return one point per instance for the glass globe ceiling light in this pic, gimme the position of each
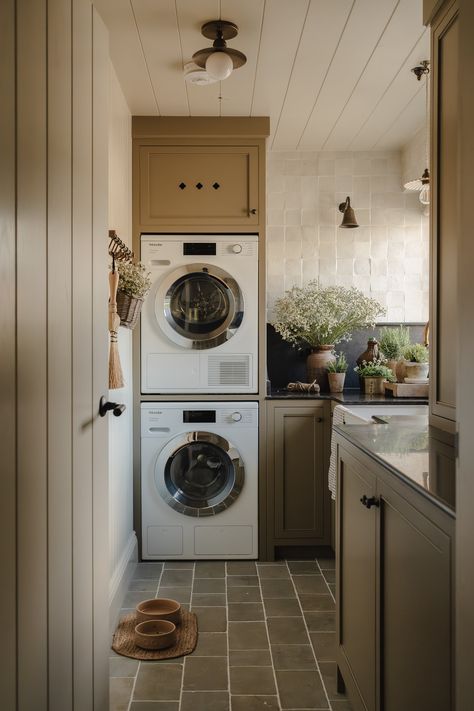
(219, 60)
(422, 185)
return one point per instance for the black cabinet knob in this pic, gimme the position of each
(369, 501)
(105, 405)
(253, 211)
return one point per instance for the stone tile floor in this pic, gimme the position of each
(266, 639)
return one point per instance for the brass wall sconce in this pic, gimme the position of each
(349, 218)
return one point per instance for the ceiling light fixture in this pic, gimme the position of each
(422, 185)
(219, 61)
(349, 219)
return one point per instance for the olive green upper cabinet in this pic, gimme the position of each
(444, 215)
(196, 185)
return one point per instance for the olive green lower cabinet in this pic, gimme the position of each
(394, 558)
(298, 498)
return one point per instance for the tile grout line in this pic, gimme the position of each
(309, 637)
(180, 700)
(227, 631)
(324, 578)
(268, 638)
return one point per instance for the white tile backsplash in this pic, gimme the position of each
(386, 256)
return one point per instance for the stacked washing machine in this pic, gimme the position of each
(199, 336)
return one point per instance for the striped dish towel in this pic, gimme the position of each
(341, 416)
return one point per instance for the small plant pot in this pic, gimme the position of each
(336, 382)
(374, 385)
(155, 634)
(416, 370)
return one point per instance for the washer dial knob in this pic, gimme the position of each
(237, 248)
(236, 417)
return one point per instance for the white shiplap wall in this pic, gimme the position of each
(122, 539)
(386, 257)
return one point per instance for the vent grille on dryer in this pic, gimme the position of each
(229, 370)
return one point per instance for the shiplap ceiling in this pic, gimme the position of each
(331, 74)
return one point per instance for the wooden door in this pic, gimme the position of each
(416, 640)
(444, 218)
(198, 185)
(301, 495)
(54, 604)
(356, 603)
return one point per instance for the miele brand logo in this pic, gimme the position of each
(155, 412)
(156, 244)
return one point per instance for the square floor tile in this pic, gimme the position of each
(330, 576)
(250, 658)
(147, 585)
(210, 569)
(268, 572)
(148, 570)
(240, 581)
(241, 567)
(277, 588)
(211, 619)
(122, 667)
(120, 692)
(158, 682)
(293, 656)
(324, 644)
(205, 674)
(282, 607)
(242, 611)
(248, 635)
(179, 565)
(208, 600)
(176, 578)
(319, 621)
(327, 563)
(252, 680)
(287, 630)
(132, 599)
(205, 701)
(317, 602)
(310, 584)
(243, 595)
(303, 567)
(211, 644)
(255, 703)
(301, 690)
(180, 594)
(209, 585)
(154, 706)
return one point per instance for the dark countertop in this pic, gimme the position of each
(348, 397)
(404, 447)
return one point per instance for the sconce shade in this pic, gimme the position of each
(349, 218)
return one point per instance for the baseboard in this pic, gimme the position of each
(120, 580)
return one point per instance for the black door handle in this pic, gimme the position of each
(105, 405)
(369, 501)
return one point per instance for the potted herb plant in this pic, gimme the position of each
(392, 342)
(373, 375)
(337, 373)
(416, 361)
(134, 284)
(320, 317)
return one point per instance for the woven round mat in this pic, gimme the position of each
(124, 643)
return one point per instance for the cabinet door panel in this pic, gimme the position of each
(186, 185)
(300, 476)
(415, 625)
(356, 577)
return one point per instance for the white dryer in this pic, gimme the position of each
(199, 324)
(199, 480)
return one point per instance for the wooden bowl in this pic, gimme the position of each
(155, 634)
(159, 609)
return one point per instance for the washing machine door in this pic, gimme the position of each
(199, 474)
(199, 306)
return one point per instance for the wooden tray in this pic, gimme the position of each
(407, 389)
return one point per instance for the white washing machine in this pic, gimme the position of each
(199, 324)
(199, 480)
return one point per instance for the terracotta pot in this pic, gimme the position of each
(336, 382)
(316, 364)
(392, 364)
(374, 385)
(416, 370)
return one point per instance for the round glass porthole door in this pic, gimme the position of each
(202, 306)
(200, 474)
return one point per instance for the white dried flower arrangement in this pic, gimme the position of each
(315, 316)
(134, 279)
